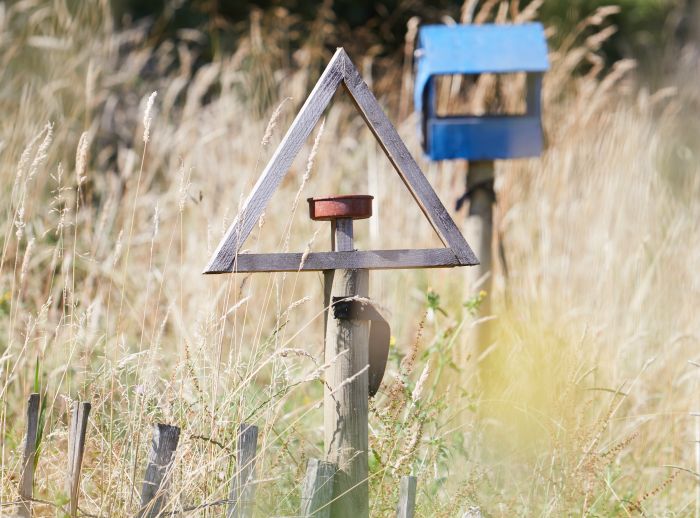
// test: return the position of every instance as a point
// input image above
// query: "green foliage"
(381, 26)
(642, 25)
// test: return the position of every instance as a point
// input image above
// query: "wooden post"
(317, 491)
(407, 497)
(479, 227)
(242, 495)
(76, 448)
(160, 460)
(347, 391)
(26, 485)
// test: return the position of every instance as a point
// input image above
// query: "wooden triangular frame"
(227, 257)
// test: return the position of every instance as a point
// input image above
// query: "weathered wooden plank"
(76, 449)
(26, 485)
(278, 166)
(367, 259)
(346, 395)
(403, 162)
(160, 460)
(317, 490)
(242, 495)
(407, 497)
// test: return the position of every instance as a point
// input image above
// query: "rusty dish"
(353, 206)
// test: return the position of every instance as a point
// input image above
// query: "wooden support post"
(317, 491)
(242, 495)
(479, 227)
(26, 484)
(76, 448)
(160, 460)
(347, 391)
(407, 497)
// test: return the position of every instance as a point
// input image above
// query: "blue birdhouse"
(473, 50)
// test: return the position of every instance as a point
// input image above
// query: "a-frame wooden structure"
(227, 257)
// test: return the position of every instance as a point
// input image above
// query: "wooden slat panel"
(370, 259)
(26, 484)
(278, 166)
(405, 165)
(242, 494)
(76, 450)
(407, 497)
(317, 489)
(160, 460)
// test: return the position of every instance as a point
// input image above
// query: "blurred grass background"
(643, 25)
(585, 405)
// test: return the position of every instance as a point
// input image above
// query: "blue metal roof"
(476, 49)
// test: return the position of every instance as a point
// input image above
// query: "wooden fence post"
(160, 460)
(76, 448)
(26, 487)
(242, 495)
(346, 390)
(407, 497)
(317, 491)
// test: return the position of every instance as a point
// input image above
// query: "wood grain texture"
(317, 489)
(160, 460)
(26, 484)
(344, 237)
(76, 449)
(340, 70)
(278, 166)
(242, 494)
(407, 497)
(346, 395)
(367, 259)
(395, 149)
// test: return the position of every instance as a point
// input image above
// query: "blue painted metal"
(476, 49)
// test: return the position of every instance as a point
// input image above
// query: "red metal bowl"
(353, 206)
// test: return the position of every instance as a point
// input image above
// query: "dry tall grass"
(114, 200)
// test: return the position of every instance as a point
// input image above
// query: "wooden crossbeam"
(319, 261)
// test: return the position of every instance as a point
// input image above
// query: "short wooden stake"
(347, 388)
(242, 495)
(317, 491)
(76, 448)
(407, 497)
(26, 485)
(160, 460)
